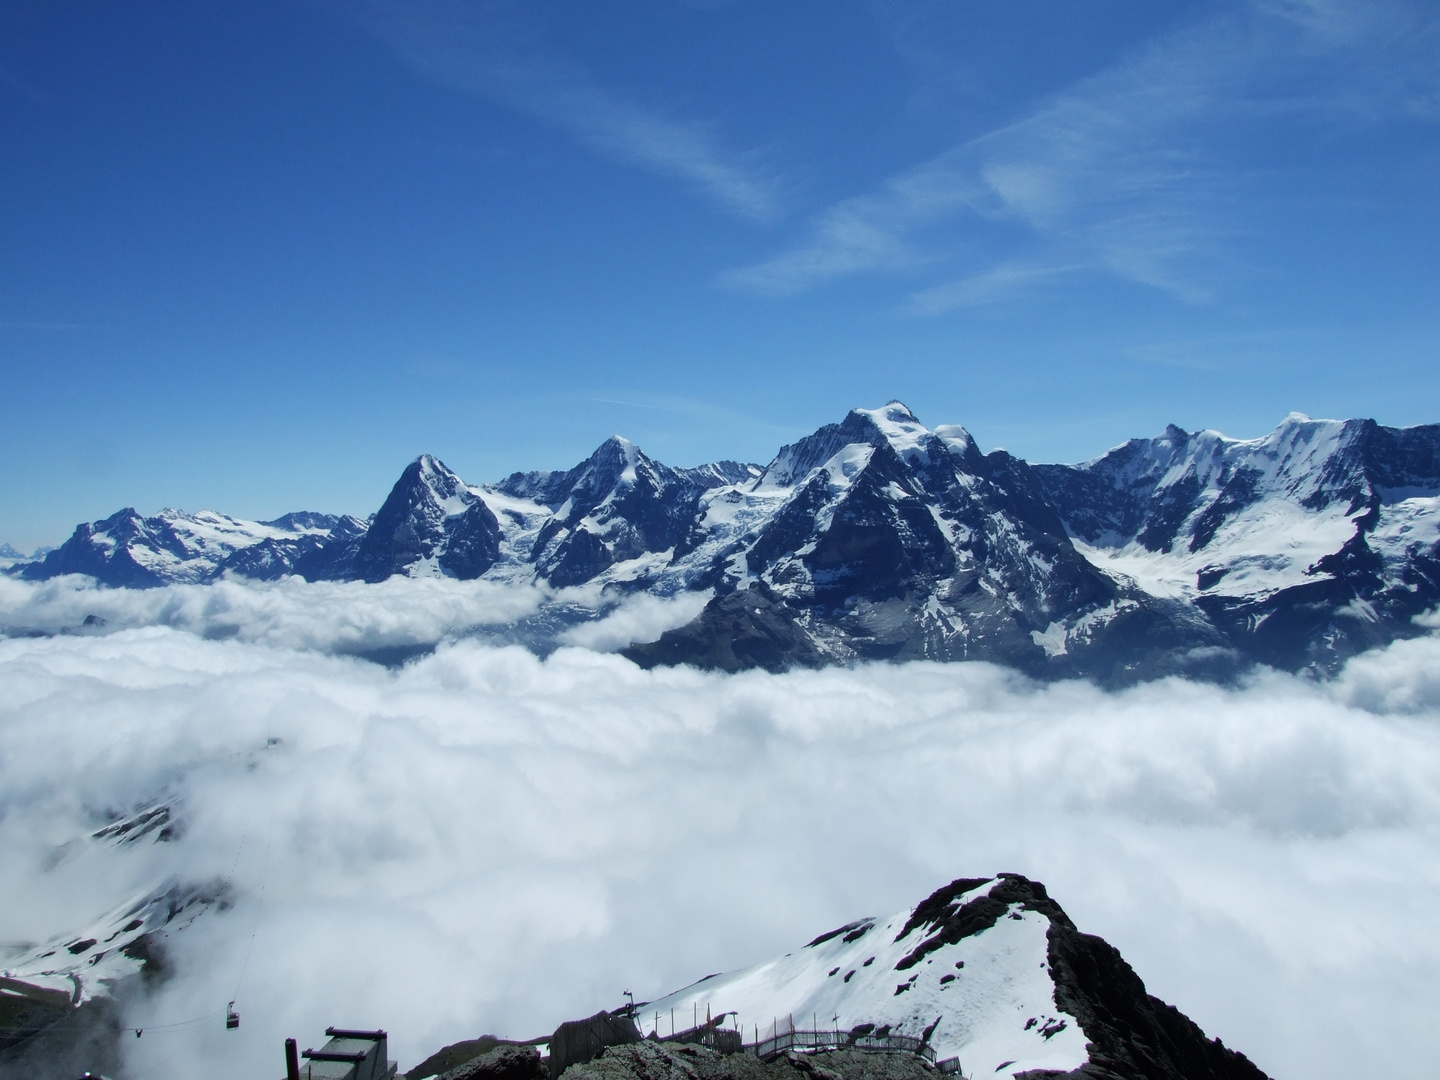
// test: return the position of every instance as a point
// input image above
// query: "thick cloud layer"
(392, 619)
(486, 841)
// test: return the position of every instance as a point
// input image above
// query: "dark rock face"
(334, 558)
(449, 1060)
(80, 1040)
(735, 632)
(1132, 1035)
(577, 558)
(672, 1061)
(430, 513)
(473, 543)
(506, 1062)
(271, 559)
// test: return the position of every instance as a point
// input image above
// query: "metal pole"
(292, 1060)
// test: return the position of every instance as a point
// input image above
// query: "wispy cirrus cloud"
(484, 50)
(1129, 172)
(987, 287)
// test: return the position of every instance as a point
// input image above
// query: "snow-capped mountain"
(1322, 538)
(989, 971)
(877, 538)
(173, 546)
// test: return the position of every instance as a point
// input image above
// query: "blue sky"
(255, 256)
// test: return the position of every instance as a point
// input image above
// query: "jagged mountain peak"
(893, 426)
(612, 462)
(896, 426)
(614, 466)
(893, 411)
(434, 474)
(615, 460)
(410, 532)
(426, 481)
(124, 514)
(620, 444)
(1175, 431)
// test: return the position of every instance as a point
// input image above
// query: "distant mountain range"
(877, 538)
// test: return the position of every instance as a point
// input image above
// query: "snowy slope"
(990, 970)
(115, 946)
(995, 984)
(55, 996)
(1319, 538)
(1191, 513)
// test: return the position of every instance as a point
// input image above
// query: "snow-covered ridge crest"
(987, 970)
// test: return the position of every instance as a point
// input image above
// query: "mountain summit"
(878, 538)
(987, 972)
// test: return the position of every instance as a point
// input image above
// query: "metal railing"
(809, 1042)
(725, 1040)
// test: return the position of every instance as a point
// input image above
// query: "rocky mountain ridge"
(877, 538)
(989, 973)
(985, 977)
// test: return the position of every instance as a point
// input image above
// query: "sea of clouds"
(482, 840)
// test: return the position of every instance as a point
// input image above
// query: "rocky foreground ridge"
(986, 977)
(878, 538)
